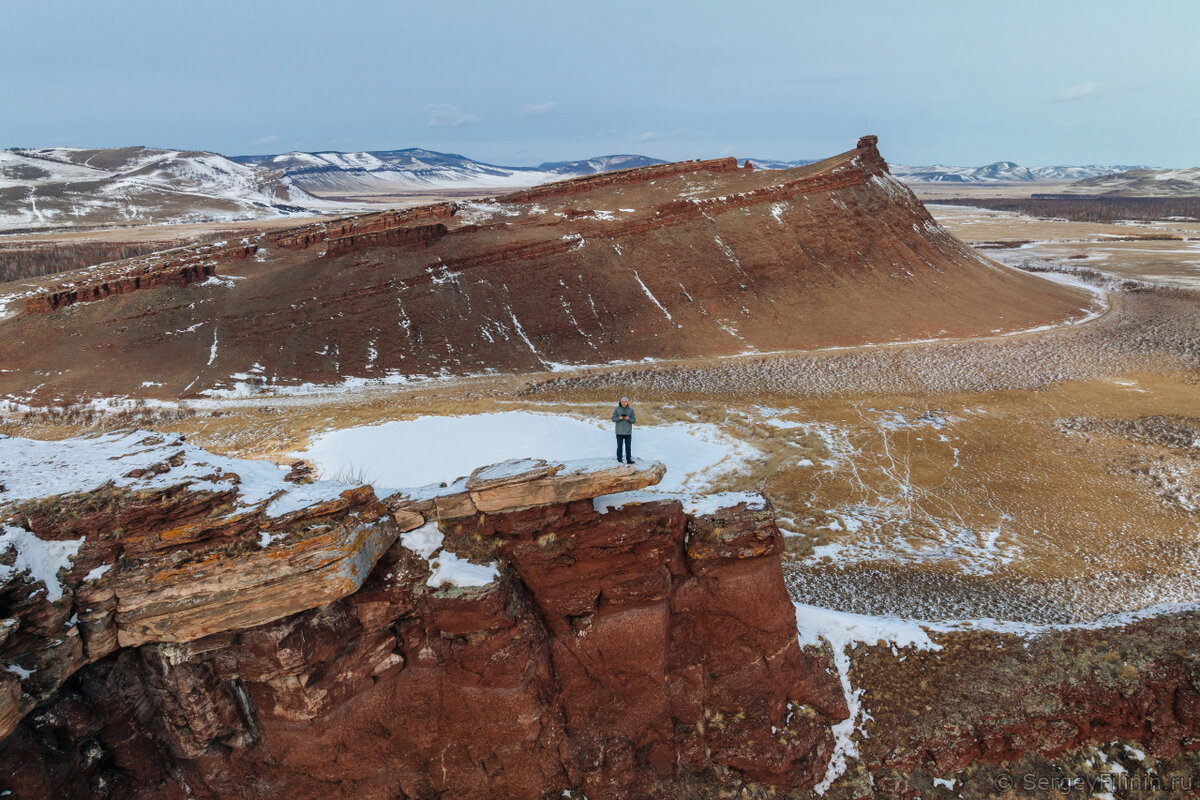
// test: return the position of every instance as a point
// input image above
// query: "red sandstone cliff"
(618, 654)
(220, 633)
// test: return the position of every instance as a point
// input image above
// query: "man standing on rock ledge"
(625, 418)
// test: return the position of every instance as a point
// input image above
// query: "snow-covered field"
(412, 453)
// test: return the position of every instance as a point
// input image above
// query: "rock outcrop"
(124, 539)
(178, 267)
(215, 633)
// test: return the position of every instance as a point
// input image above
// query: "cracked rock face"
(123, 539)
(217, 634)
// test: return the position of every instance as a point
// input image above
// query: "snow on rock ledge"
(128, 538)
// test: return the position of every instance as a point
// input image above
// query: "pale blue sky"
(521, 82)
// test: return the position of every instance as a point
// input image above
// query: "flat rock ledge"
(522, 483)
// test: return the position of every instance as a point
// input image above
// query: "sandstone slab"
(523, 483)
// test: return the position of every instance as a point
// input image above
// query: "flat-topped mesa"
(707, 259)
(510, 635)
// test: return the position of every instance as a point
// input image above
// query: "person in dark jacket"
(625, 418)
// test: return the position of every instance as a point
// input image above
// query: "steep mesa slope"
(694, 259)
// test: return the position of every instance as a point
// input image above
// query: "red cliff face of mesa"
(696, 259)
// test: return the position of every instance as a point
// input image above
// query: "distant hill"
(56, 187)
(416, 170)
(767, 163)
(61, 187)
(1141, 183)
(598, 164)
(1002, 172)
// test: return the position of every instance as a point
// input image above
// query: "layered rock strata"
(178, 267)
(531, 643)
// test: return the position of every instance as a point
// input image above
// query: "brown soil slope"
(693, 259)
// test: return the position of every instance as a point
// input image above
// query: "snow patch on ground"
(816, 626)
(142, 460)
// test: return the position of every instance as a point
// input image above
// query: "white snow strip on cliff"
(816, 625)
(653, 299)
(97, 573)
(424, 541)
(212, 353)
(40, 558)
(448, 569)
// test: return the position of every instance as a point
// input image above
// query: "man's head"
(624, 401)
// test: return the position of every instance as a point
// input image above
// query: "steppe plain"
(1042, 476)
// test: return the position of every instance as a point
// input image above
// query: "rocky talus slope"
(182, 625)
(693, 259)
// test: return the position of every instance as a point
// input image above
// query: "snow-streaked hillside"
(592, 166)
(1143, 183)
(68, 187)
(768, 163)
(63, 187)
(1001, 172)
(416, 170)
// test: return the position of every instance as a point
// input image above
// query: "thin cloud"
(537, 109)
(802, 80)
(1077, 92)
(268, 139)
(648, 136)
(445, 115)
